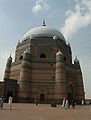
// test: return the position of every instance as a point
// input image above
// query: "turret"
(60, 78)
(69, 54)
(24, 81)
(76, 61)
(79, 80)
(8, 68)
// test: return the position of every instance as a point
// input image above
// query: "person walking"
(1, 102)
(73, 103)
(63, 103)
(10, 102)
(66, 104)
(69, 102)
(82, 102)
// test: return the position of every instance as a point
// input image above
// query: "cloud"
(78, 18)
(40, 5)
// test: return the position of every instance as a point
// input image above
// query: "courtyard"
(24, 111)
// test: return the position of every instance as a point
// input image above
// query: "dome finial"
(43, 23)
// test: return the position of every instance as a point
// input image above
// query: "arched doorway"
(10, 89)
(70, 92)
(42, 55)
(21, 57)
(42, 98)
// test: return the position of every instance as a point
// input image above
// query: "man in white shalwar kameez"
(66, 104)
(82, 102)
(10, 102)
(63, 103)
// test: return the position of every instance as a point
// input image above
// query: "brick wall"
(1, 88)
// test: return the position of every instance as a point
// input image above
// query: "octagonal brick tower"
(8, 68)
(49, 74)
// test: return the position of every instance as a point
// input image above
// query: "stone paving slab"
(44, 112)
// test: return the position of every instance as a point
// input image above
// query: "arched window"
(42, 55)
(64, 58)
(21, 57)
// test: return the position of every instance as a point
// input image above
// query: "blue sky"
(71, 17)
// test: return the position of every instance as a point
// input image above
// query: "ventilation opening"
(21, 57)
(64, 58)
(43, 56)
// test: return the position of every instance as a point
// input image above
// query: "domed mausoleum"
(43, 69)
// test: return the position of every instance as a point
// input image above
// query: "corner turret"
(25, 77)
(60, 78)
(27, 56)
(8, 68)
(79, 80)
(59, 56)
(76, 61)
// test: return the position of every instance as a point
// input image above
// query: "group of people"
(9, 102)
(66, 103)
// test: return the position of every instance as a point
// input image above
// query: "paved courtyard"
(44, 112)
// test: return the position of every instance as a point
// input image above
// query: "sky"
(71, 17)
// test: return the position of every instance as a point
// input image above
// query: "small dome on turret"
(76, 60)
(9, 61)
(27, 55)
(59, 56)
(10, 58)
(59, 53)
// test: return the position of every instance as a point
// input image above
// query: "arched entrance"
(43, 93)
(10, 89)
(9, 93)
(42, 98)
(70, 92)
(42, 55)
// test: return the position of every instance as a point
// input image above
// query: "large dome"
(43, 31)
